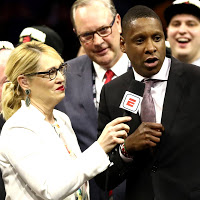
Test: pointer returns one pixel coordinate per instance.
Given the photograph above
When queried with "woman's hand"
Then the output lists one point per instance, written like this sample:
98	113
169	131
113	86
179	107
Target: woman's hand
114	133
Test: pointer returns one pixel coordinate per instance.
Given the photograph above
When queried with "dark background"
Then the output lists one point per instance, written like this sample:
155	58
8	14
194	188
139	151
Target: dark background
15	15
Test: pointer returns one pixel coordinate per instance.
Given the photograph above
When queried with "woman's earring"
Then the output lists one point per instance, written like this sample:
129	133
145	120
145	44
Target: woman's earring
27	100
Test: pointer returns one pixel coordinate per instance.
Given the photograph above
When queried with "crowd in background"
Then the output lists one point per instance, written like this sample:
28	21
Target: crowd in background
16	15
106	49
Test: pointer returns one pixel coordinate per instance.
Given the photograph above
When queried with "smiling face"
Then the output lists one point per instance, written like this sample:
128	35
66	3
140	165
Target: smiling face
46	92
183	34
144	43
105	51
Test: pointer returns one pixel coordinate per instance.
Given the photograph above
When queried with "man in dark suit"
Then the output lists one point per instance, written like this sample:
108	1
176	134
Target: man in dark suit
98	27
159	160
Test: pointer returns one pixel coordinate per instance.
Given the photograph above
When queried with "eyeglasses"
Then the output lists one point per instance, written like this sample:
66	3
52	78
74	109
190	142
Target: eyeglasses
52	72
102	32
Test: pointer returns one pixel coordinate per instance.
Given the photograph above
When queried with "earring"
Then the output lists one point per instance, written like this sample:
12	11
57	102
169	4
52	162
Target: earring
27	100
122	49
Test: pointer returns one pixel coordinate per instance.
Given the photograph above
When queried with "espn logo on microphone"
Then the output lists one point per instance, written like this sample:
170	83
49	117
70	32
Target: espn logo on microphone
131	102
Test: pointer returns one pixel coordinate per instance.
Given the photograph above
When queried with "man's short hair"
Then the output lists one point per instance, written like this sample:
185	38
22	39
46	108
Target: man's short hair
137	12
191	7
82	3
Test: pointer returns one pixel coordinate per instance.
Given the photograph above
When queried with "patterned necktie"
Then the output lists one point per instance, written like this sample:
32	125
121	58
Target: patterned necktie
148	113
109	74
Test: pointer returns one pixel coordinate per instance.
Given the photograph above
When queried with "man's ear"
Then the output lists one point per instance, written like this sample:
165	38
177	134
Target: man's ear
23	82
118	21
167	34
74	30
122	44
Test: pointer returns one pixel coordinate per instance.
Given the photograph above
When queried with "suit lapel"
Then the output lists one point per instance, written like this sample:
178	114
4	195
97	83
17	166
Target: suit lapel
174	90
87	89
85	85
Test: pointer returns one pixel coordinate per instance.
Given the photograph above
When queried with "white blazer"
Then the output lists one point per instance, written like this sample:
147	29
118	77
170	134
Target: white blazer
35	163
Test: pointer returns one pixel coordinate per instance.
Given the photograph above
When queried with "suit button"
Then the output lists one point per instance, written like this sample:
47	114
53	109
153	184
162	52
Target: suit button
154	168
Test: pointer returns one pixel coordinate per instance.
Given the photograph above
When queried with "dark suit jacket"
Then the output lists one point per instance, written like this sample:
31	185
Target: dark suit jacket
78	104
173	172
2	188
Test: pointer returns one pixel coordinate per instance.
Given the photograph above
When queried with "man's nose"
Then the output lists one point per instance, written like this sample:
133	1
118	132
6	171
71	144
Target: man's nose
97	40
182	28
150	47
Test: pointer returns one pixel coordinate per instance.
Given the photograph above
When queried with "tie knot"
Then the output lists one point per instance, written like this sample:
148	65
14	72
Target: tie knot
109	74
148	84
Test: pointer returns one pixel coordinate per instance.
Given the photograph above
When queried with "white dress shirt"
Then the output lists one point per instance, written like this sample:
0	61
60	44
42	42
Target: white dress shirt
119	68
197	62
35	163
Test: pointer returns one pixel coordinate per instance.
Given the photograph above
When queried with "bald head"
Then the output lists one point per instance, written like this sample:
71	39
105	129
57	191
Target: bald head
4	55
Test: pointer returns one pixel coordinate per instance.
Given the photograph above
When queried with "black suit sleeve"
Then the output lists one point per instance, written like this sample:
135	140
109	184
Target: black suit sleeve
2	188
117	172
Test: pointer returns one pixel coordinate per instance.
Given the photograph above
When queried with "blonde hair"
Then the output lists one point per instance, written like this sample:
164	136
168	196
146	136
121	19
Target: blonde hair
24	59
83	3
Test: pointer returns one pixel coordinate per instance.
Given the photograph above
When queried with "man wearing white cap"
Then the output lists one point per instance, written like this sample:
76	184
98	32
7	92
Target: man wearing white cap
183	31
42	34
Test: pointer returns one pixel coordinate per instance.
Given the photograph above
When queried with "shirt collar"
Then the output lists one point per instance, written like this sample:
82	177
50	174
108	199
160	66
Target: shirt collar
196	62
161	75
119	68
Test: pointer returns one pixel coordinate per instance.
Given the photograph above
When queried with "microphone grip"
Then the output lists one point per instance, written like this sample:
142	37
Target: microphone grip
126	113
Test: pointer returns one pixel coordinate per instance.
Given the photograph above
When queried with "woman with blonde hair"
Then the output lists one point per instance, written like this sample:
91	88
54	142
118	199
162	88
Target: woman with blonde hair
39	153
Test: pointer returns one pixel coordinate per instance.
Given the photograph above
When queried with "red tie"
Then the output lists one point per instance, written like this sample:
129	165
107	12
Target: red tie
109	74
